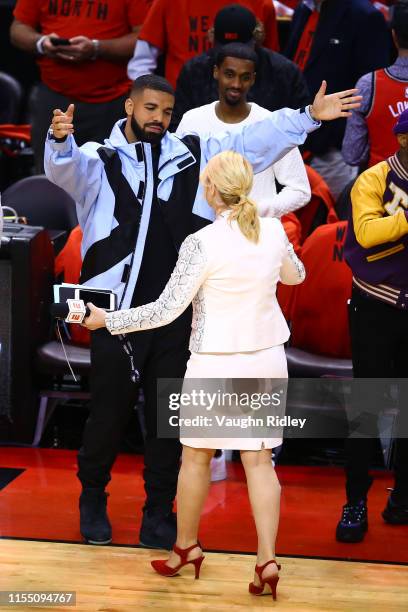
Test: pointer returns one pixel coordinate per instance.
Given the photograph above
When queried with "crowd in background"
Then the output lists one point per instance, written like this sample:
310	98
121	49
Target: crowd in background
329	39
112	43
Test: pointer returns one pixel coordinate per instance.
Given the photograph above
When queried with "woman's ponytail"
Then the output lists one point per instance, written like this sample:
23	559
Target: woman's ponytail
246	214
232	175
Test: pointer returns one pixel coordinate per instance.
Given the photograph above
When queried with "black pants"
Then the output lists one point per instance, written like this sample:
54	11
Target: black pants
159	353
92	121
379	337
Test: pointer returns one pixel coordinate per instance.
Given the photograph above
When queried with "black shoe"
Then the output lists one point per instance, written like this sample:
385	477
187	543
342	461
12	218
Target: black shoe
94	523
396	512
353	523
158	530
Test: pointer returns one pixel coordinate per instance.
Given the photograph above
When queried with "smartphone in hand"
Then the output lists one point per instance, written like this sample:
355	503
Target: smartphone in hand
63	42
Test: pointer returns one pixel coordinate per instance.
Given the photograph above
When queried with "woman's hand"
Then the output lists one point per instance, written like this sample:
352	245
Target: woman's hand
96	319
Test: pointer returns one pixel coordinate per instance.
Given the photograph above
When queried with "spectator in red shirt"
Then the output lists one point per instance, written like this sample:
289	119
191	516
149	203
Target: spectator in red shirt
90	70
179	29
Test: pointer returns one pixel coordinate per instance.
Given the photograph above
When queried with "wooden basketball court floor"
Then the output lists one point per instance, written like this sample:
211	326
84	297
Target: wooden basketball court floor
119	578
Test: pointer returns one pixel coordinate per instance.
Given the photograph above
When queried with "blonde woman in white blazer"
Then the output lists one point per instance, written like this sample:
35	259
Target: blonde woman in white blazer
229	271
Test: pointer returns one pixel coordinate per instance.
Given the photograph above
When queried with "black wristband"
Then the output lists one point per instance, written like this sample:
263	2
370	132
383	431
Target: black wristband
54	138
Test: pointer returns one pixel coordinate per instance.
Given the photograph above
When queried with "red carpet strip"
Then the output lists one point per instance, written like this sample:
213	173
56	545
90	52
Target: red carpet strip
41	502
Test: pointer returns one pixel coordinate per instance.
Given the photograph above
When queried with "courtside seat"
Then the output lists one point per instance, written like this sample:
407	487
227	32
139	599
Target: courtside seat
320	340
51	360
320	402
302	364
42	203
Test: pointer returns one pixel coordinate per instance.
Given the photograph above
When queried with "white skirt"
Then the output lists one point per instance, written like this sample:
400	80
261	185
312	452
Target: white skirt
266	363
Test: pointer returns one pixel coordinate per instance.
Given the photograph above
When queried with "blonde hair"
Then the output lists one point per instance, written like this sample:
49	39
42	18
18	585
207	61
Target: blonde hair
232	176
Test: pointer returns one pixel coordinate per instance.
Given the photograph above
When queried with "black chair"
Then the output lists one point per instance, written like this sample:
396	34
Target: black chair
11	94
302	364
42	203
46	205
51	362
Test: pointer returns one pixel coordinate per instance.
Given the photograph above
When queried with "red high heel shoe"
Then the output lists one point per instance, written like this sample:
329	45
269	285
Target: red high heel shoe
163	569
272	581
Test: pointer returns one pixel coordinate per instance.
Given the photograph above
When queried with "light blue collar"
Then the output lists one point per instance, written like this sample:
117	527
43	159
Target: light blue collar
171	146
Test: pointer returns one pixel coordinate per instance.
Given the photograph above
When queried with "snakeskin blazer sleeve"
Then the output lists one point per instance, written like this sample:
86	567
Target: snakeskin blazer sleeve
292	270
185	281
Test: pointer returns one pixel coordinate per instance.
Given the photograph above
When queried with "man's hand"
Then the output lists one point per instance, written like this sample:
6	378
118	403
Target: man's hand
334	106
80	49
48	48
96	319
62	123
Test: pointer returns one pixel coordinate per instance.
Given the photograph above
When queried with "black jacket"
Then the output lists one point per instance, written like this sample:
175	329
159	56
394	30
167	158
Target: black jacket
351	39
279	83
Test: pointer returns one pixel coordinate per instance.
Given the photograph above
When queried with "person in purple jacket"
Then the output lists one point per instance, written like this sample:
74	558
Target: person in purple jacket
376	251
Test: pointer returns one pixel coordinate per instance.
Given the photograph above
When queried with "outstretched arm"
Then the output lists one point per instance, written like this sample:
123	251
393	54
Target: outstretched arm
186	279
267	141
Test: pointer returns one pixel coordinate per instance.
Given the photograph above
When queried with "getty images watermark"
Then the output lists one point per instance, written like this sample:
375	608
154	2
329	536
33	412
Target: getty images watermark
224	408
213	402
275	408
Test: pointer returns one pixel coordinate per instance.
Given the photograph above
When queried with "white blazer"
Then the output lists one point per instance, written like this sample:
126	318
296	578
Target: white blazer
232	284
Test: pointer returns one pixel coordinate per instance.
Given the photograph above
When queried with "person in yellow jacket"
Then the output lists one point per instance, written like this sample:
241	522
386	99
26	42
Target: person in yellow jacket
376	249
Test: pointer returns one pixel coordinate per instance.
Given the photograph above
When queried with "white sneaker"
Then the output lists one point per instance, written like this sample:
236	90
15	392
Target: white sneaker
218	468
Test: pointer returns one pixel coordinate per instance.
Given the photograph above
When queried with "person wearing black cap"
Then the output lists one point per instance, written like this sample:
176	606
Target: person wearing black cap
279	81
179	30
234	23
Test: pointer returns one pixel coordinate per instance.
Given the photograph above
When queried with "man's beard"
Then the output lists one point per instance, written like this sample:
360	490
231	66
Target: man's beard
145	136
232	101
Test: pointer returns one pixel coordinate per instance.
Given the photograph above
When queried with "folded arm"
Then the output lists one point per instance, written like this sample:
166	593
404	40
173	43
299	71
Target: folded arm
290	172
186	279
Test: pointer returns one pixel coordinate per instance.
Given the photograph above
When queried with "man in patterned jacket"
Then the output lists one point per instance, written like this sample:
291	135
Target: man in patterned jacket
138	197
